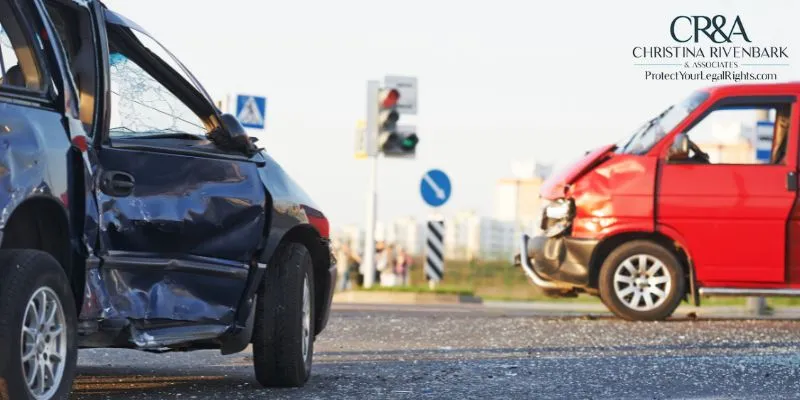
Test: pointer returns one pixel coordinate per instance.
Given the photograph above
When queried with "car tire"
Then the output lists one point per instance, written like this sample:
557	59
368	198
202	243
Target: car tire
283	334
642	281
32	283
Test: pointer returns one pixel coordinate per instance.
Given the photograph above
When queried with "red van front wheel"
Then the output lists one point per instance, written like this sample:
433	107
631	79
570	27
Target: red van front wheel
642	281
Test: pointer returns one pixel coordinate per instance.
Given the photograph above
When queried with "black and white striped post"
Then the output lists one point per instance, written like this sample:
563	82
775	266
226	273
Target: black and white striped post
435	189
434	252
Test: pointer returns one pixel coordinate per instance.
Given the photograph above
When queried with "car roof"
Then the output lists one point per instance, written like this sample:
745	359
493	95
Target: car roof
119	19
754	88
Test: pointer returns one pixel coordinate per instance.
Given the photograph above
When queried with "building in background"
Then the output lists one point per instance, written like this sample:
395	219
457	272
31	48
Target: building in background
456	236
492	239
405	233
469	236
380	231
351	234
517	199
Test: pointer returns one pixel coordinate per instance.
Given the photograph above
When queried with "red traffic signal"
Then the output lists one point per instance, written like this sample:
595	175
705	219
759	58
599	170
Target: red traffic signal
389	98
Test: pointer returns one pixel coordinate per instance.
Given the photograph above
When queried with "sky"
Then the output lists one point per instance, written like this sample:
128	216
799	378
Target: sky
498	81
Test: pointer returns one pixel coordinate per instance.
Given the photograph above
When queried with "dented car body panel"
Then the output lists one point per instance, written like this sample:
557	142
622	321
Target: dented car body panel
293	209
34	169
169	238
182	205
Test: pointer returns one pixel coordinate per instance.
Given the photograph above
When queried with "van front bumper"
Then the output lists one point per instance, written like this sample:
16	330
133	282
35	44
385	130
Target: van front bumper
557	262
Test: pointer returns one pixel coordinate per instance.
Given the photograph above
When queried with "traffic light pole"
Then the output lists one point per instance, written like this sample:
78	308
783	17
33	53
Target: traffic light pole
369	236
368	261
382	136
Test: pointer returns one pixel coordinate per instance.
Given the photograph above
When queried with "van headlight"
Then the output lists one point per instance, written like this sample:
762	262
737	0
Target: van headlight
559	209
557	218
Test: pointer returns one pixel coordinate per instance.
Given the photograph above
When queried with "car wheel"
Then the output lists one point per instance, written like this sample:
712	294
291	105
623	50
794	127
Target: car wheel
642	281
38	325
283	335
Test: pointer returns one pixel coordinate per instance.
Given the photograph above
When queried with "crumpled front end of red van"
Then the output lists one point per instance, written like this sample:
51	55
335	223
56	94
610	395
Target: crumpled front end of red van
601	195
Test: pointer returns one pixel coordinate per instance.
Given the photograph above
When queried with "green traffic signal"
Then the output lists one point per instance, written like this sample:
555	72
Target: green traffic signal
409	142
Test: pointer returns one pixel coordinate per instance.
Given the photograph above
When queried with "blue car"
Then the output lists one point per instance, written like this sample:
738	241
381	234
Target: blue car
135	214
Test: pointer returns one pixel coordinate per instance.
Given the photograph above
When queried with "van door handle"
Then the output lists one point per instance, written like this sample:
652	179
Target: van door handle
116	183
791	181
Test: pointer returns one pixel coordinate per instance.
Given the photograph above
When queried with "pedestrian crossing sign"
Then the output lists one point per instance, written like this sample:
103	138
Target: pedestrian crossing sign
251	111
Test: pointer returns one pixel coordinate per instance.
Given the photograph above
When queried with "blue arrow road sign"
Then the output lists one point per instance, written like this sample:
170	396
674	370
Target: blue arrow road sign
251	111
435	188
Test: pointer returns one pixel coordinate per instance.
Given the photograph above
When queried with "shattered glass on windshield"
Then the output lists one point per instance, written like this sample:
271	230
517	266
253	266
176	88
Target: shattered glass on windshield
141	106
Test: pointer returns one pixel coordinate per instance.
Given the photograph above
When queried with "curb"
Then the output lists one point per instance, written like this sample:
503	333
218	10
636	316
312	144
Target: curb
388	297
683	311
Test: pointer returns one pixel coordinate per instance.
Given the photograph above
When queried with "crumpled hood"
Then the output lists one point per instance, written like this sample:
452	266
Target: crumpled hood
556	185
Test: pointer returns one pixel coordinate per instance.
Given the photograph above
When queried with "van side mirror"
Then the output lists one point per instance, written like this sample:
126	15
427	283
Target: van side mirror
232	136
680	147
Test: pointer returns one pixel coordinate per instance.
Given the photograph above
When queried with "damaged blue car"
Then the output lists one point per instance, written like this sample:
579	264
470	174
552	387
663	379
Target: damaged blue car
135	214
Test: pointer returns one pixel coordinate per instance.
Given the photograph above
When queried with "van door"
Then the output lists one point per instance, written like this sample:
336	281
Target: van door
731	198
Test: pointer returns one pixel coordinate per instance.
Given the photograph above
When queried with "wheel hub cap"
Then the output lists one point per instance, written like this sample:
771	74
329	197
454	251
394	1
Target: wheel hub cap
44	343
642	282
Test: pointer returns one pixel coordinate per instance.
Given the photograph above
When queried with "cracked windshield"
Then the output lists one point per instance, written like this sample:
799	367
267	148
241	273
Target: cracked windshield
142	107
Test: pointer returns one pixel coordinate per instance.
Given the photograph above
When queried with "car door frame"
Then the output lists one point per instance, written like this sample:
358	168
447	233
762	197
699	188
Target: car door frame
246	274
58	94
198	101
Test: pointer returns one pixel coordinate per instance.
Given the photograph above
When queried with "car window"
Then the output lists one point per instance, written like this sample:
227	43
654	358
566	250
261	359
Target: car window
18	64
744	134
143	106
162	53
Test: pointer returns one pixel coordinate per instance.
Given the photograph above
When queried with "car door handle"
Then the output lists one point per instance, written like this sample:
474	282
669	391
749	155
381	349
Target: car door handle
791	181
116	183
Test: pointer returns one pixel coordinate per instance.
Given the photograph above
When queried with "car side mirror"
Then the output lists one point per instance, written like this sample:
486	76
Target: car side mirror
232	136
680	147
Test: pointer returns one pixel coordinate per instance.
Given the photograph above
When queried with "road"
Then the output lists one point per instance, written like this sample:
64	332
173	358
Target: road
456	352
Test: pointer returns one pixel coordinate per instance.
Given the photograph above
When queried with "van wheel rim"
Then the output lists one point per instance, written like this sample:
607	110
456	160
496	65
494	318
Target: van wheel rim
306	318
642	282
44	343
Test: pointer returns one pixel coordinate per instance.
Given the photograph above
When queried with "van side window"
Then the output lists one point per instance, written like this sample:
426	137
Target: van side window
18	64
743	135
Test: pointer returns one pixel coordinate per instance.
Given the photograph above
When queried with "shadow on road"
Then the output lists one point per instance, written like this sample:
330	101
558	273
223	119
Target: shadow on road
105	382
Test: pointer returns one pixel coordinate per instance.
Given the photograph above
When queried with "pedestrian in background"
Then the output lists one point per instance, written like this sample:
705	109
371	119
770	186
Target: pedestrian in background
354	268
386	263
380	247
344	261
403	266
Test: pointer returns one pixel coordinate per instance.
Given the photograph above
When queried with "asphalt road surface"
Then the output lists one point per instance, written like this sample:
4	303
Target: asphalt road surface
457	352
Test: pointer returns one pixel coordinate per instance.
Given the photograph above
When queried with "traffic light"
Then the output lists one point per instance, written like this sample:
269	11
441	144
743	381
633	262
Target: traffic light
393	140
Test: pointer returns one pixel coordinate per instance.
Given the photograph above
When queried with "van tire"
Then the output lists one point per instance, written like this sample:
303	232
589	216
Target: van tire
281	326
642	281
24	273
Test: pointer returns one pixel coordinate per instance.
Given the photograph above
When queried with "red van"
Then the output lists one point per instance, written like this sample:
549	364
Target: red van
658	218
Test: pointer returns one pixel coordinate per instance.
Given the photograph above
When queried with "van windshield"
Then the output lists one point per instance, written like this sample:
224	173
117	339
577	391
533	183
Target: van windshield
654	130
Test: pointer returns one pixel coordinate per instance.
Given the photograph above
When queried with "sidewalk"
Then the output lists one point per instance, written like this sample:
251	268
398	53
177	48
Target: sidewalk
723	312
456	303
